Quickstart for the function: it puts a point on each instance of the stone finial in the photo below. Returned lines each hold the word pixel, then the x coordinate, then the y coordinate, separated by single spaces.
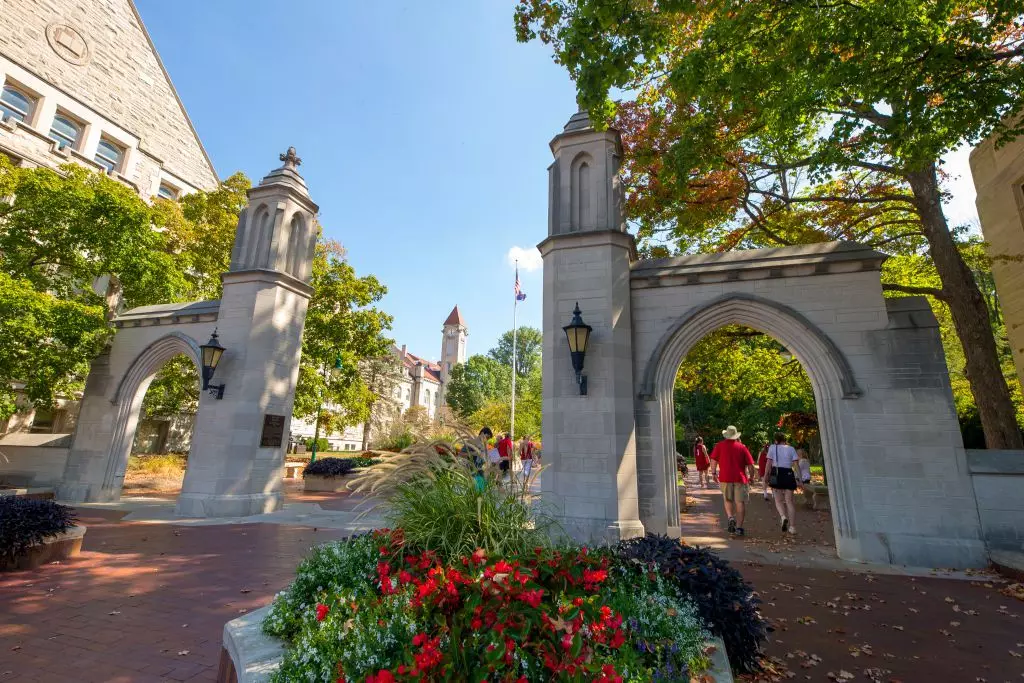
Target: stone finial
pixel 290 158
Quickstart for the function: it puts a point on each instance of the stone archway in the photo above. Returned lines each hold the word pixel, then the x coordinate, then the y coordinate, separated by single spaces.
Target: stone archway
pixel 893 447
pixel 831 376
pixel 128 398
pixel 240 434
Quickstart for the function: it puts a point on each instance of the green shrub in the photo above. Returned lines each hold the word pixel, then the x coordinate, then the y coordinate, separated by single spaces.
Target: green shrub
pixel 322 444
pixel 25 522
pixel 342 570
pixel 364 461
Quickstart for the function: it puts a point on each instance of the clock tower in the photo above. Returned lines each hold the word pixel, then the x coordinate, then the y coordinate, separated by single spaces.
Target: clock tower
pixel 453 346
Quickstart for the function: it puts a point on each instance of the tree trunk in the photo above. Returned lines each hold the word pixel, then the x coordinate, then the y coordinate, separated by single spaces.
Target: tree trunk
pixel 367 425
pixel 970 317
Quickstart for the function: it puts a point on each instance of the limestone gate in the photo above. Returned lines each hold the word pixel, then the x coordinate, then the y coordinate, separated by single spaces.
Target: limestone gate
pixel 899 483
pixel 237 454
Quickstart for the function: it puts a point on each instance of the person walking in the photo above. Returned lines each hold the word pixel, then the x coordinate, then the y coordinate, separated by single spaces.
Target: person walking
pixel 803 466
pixel 762 465
pixel 479 458
pixel 733 466
pixel 782 479
pixel 702 462
pixel 526 448
pixel 505 448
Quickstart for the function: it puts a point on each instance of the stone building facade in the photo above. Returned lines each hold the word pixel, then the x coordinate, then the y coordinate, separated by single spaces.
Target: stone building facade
pixel 422 384
pixel 81 82
pixel 999 180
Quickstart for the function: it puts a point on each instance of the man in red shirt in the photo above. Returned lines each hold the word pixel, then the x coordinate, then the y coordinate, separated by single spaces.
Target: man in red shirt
pixel 734 465
pixel 505 453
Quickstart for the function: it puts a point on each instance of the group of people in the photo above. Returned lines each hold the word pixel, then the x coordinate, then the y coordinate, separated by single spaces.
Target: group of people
pixel 502 451
pixel 730 465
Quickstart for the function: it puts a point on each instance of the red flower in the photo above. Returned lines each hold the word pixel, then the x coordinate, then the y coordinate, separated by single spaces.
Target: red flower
pixel 383 676
pixel 567 641
pixel 578 602
pixel 592 577
pixel 404 577
pixel 479 556
pixel 476 624
pixel 419 639
pixel 532 598
pixel 321 611
pixel 618 638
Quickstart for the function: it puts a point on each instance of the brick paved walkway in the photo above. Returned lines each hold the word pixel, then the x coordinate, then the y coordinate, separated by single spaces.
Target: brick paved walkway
pixel 147 602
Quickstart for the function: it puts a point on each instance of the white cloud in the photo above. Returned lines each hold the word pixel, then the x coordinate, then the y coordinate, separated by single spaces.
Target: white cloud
pixel 529 258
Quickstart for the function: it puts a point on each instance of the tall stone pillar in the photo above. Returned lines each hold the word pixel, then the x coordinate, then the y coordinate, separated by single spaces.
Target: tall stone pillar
pixel 237 455
pixel 589 441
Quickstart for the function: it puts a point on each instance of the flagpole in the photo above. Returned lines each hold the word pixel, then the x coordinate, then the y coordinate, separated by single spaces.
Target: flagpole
pixel 515 311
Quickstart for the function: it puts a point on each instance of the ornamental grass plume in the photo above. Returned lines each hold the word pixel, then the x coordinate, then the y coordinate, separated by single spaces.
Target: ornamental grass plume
pixel 450 500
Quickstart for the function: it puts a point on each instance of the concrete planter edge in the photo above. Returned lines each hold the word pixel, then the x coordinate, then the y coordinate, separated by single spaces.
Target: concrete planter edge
pixel 316 482
pixel 53 549
pixel 251 656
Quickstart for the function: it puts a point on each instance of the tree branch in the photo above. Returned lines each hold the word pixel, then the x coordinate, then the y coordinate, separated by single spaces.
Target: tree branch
pixel 906 289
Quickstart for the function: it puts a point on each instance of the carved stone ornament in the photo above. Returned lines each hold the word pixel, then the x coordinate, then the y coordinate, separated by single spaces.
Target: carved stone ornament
pixel 69 43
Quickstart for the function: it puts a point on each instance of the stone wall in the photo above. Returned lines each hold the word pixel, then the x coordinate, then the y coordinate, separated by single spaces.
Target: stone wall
pixel 97 56
pixel 32 460
pixel 998 479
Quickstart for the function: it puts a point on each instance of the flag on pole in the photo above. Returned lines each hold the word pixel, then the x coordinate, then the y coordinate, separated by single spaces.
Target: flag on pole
pixel 520 294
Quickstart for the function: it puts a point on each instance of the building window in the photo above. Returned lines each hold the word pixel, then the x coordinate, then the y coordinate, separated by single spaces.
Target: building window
pixel 109 156
pixel 65 131
pixel 167 192
pixel 16 104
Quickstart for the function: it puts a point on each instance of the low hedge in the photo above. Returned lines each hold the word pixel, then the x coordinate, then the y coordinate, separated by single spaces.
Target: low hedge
pixel 329 467
pixel 25 522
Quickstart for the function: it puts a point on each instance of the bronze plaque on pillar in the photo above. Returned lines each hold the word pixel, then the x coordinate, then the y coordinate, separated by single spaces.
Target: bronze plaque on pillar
pixel 273 431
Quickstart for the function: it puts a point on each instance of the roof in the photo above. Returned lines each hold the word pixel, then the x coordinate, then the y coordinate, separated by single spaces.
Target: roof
pixel 455 318
pixel 431 370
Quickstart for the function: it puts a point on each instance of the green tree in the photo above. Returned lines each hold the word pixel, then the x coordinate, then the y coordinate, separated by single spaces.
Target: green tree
pixel 861 97
pixel 381 376
pixel 742 377
pixel 47 343
pixel 528 343
pixel 199 230
pixel 342 327
pixel 59 233
pixel 477 381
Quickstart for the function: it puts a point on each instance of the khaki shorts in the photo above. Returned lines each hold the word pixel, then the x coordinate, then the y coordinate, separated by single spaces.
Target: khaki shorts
pixel 735 492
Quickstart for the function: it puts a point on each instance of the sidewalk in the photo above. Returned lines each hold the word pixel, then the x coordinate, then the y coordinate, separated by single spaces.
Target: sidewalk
pixel 837 621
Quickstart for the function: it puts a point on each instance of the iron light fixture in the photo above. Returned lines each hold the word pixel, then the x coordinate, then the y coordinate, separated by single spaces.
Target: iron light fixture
pixel 211 353
pixel 577 333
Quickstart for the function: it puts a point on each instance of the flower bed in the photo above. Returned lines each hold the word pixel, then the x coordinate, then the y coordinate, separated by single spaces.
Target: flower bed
pixel 469 587
pixel 370 608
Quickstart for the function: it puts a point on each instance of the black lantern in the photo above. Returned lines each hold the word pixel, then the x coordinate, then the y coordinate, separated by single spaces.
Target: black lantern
pixel 578 334
pixel 211 352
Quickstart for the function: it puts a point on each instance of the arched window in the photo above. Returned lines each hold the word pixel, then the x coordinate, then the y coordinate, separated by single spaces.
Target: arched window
pixel 65 131
pixel 109 156
pixel 167 192
pixel 16 104
pixel 581 209
pixel 296 232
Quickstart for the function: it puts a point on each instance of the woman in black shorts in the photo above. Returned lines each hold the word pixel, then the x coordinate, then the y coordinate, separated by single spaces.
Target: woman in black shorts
pixel 782 459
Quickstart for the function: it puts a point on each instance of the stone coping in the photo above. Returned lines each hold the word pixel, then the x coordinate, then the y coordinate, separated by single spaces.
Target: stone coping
pixel 252 656
pixel 995 462
pixel 803 260
pixel 163 314
pixel 38 492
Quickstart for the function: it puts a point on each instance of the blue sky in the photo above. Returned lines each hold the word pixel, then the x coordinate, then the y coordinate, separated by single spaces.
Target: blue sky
pixel 423 130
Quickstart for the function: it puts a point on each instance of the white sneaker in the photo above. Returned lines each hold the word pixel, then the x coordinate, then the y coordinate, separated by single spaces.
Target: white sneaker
pixel 792 529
